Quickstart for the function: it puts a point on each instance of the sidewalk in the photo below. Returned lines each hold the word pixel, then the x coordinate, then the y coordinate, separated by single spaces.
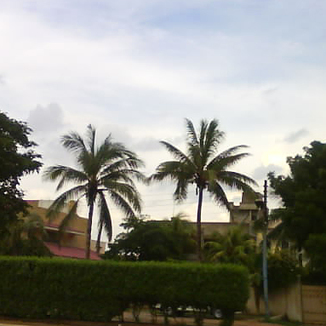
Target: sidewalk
pixel 145 319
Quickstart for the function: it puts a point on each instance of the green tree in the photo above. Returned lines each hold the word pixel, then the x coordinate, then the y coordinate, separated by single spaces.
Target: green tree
pixel 25 237
pixel 316 248
pixel 204 167
pixel 107 169
pixel 235 247
pixel 281 263
pixel 303 196
pixel 238 247
pixel 153 240
pixel 17 159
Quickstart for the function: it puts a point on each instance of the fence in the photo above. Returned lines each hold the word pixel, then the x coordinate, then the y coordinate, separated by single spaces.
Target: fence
pixel 303 303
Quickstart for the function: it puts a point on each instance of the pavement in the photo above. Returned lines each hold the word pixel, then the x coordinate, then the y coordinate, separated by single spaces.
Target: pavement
pixel 145 319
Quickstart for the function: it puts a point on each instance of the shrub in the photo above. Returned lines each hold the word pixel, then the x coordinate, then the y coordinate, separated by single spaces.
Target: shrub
pixel 281 264
pixel 98 291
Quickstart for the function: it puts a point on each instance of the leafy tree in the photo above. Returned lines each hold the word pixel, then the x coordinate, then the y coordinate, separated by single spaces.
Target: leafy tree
pixel 204 167
pixel 153 240
pixel 316 247
pixel 107 169
pixel 303 195
pixel 17 159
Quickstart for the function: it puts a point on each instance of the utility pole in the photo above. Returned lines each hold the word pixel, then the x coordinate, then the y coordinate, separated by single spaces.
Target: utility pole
pixel 265 276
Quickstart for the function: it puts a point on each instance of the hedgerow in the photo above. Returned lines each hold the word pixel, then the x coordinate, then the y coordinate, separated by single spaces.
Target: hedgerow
pixel 98 291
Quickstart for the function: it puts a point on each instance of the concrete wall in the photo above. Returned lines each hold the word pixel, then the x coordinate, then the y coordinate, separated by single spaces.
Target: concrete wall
pixel 314 304
pixel 285 302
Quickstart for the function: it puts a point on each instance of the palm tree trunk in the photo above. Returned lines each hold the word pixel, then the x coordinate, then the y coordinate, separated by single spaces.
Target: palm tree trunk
pixel 98 242
pixel 199 207
pixel 89 229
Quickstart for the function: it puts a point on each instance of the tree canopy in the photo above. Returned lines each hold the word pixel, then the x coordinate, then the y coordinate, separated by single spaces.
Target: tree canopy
pixel 153 240
pixel 17 158
pixel 303 195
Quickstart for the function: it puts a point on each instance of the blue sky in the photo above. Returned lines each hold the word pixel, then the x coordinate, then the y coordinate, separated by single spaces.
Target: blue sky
pixel 137 68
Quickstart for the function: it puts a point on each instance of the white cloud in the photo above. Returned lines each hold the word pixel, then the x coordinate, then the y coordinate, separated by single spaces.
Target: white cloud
pixel 46 119
pixel 295 136
pixel 138 68
pixel 260 173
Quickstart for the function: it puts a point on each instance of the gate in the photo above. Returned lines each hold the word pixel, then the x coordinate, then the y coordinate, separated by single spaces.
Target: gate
pixel 314 304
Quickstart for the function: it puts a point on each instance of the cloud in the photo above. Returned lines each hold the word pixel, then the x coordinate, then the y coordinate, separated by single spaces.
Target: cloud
pixel 295 136
pixel 261 172
pixel 46 118
pixel 147 144
pixel 142 66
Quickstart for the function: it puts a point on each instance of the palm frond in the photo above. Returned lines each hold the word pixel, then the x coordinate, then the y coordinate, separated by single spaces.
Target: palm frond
pixel 227 158
pixel 67 219
pixel 191 132
pixel 181 190
pixel 218 194
pixel 173 170
pixel 177 153
pixel 67 174
pixel 127 191
pixel 122 204
pixel 91 136
pixel 105 216
pixel 231 151
pixel 60 202
pixel 236 180
pixel 202 133
pixel 213 137
pixel 73 142
pixel 122 174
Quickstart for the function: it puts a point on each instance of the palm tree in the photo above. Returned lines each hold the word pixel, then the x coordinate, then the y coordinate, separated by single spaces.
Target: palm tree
pixel 202 166
pixel 236 247
pixel 25 237
pixel 102 170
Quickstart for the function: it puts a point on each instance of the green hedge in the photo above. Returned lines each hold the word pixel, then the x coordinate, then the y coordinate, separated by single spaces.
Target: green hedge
pixel 98 291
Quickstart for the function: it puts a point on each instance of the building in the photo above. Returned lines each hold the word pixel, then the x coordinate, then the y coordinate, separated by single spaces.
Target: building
pixel 244 214
pixel 72 243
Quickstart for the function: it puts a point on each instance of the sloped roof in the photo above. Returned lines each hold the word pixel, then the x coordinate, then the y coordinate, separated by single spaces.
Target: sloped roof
pixel 70 252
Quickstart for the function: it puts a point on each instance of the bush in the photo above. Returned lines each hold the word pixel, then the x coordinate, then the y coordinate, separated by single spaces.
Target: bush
pixel 98 291
pixel 282 270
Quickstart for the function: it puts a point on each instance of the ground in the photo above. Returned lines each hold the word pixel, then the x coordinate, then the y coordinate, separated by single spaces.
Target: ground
pixel 145 319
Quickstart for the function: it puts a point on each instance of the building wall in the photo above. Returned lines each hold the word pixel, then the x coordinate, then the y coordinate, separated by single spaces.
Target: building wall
pixel 40 207
pixel 76 235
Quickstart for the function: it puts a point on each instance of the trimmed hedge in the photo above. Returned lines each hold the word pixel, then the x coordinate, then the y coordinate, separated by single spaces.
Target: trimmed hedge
pixel 98 291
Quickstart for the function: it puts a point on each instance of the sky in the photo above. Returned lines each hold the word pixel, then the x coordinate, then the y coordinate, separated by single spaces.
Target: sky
pixel 138 68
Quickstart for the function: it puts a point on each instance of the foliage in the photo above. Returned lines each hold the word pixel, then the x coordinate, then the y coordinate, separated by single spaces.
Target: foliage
pixel 236 247
pixel 316 247
pixel 203 166
pixel 282 270
pixel 100 290
pixel 24 238
pixel 303 195
pixel 17 159
pixel 153 240
pixel 107 169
